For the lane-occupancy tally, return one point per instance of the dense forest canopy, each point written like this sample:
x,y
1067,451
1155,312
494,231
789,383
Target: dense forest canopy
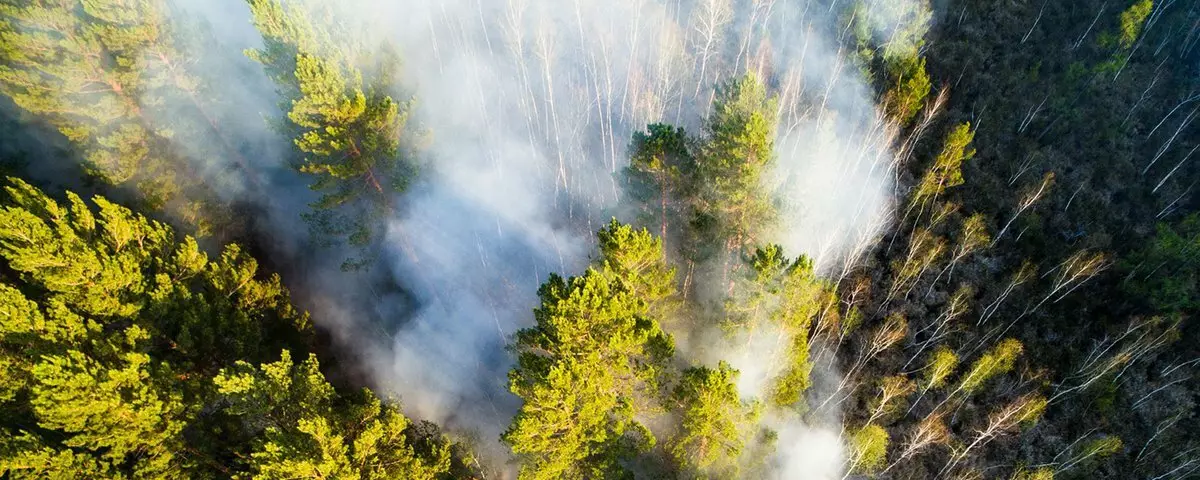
x,y
476,239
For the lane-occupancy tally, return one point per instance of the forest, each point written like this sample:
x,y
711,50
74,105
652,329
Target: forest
x,y
599,239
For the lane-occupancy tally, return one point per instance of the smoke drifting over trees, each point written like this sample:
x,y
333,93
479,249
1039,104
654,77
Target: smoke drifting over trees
x,y
589,239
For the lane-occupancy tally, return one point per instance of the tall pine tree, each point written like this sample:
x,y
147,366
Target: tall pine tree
x,y
108,75
349,134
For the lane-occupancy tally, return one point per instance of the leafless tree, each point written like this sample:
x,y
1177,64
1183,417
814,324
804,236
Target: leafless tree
x,y
1028,199
1025,273
929,432
708,25
1006,419
941,326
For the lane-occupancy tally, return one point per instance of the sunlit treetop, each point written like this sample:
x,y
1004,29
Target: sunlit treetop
x,y
104,73
350,135
735,155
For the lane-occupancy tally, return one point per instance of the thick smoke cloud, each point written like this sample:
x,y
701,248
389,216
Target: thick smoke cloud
x,y
530,104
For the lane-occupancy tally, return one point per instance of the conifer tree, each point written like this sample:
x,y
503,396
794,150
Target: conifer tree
x,y
911,85
788,294
637,259
660,178
103,73
112,334
738,151
308,432
349,134
578,371
715,423
595,352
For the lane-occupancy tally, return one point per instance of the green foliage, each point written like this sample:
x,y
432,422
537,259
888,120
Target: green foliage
x,y
910,85
898,28
660,177
924,248
946,171
110,409
569,421
594,359
708,192
104,266
1132,20
90,353
349,134
636,259
868,449
25,456
941,364
1166,272
112,335
790,385
99,72
733,158
308,433
1025,412
972,236
787,294
715,422
894,33
995,362
1095,451
595,351
893,392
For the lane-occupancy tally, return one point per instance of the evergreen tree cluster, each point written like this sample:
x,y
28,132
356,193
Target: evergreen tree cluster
x,y
127,352
1026,316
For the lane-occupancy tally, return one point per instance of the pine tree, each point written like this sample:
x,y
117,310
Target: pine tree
x,y
350,135
637,259
787,295
101,72
579,370
911,85
716,422
660,179
114,410
111,334
304,430
595,354
737,152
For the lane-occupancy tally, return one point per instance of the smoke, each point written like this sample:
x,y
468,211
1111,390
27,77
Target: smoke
x,y
531,104
894,23
835,166
808,453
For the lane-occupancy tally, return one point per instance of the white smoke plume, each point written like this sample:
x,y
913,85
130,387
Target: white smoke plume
x,y
531,104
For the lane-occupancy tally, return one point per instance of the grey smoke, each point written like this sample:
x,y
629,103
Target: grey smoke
x,y
531,104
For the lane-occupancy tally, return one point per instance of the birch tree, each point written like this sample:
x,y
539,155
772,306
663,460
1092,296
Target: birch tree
x,y
1022,412
1028,199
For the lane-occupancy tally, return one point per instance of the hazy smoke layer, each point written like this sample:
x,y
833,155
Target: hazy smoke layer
x,y
531,104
